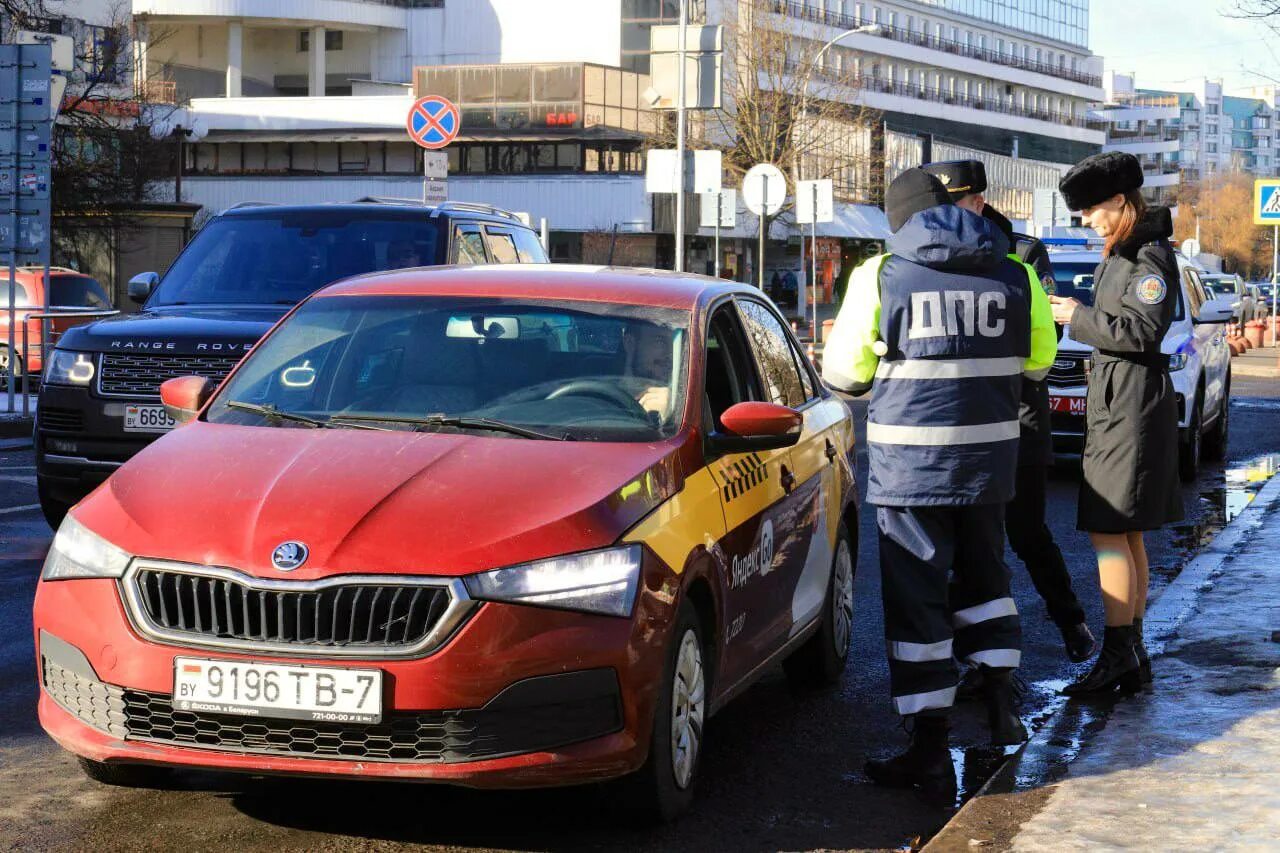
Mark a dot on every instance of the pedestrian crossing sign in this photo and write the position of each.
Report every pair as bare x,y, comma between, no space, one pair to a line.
1266,201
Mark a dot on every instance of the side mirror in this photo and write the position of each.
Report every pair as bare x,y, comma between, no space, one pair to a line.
184,396
1218,310
141,285
756,426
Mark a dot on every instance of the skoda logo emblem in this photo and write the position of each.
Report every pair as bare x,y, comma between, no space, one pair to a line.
288,556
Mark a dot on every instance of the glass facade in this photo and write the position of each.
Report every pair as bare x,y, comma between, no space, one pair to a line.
1064,20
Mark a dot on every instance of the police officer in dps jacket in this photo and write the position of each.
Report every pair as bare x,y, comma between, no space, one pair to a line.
1024,519
1130,481
941,330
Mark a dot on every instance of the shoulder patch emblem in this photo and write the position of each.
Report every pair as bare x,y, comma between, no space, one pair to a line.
1151,290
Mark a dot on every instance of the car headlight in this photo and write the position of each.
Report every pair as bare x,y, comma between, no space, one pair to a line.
1178,360
67,367
595,582
78,552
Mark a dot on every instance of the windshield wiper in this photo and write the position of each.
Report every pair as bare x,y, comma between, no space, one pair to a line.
275,416
463,422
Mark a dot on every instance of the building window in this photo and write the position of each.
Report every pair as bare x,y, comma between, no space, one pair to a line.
332,40
105,54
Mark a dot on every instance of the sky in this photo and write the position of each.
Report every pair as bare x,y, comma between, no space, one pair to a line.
1170,43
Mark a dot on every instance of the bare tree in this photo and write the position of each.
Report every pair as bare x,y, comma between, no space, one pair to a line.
1223,206
764,116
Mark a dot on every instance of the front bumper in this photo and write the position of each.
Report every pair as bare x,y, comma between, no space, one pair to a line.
80,440
518,697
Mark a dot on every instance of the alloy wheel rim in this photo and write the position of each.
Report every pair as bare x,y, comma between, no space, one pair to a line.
842,599
688,707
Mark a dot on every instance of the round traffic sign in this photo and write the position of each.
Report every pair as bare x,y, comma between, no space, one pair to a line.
433,122
1190,247
764,189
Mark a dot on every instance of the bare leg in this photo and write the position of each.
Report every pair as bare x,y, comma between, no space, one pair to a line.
1117,577
1138,549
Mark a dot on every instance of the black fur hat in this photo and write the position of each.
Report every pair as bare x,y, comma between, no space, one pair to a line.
960,177
911,192
1098,177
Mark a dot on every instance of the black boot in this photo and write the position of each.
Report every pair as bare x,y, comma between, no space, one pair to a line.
1116,666
925,765
1002,707
1080,642
1145,678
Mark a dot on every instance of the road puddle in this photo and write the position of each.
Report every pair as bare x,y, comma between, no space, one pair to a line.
1226,497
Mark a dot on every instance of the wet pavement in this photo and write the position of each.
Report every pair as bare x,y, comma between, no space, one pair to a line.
782,771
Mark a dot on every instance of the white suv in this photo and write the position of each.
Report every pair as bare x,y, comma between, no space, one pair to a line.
1199,363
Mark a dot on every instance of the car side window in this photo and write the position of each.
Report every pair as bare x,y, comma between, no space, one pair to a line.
502,246
1195,291
778,368
468,245
529,247
730,376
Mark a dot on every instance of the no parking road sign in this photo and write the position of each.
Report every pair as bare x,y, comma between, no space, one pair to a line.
433,122
1266,202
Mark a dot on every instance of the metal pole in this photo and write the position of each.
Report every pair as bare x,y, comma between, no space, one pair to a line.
177,175
813,259
684,21
13,231
1275,275
424,177
26,374
719,207
764,205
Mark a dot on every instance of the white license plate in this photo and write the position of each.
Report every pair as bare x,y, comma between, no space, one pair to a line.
277,690
147,419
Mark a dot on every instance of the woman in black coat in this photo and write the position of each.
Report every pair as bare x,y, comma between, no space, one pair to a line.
1131,446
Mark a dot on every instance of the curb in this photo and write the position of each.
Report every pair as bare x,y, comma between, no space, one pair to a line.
1044,748
1255,372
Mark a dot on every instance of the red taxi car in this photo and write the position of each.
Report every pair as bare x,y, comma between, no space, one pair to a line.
493,526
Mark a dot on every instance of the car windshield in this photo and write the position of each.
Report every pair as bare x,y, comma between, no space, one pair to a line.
502,367
77,291
1074,279
283,257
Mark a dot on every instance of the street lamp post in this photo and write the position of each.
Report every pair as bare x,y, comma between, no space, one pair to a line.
680,84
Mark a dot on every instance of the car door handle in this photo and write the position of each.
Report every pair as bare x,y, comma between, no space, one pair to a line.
788,480
831,451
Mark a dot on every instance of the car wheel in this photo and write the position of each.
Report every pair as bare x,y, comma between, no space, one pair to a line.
663,788
1189,447
123,775
819,662
1215,442
4,370
54,510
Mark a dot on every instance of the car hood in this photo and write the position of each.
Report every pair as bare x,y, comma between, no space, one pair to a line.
180,331
374,501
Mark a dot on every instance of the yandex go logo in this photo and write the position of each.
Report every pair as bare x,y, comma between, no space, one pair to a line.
953,312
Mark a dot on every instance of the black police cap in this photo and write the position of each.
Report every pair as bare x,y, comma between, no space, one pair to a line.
960,177
911,192
1098,177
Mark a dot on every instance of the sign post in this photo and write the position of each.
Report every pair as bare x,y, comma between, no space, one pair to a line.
433,122
719,210
815,202
1266,211
764,189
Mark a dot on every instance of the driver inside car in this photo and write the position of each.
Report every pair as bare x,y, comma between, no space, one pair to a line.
648,350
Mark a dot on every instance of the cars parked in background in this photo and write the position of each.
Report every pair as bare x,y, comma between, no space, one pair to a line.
502,527
1199,362
1261,302
1243,296
68,289
100,398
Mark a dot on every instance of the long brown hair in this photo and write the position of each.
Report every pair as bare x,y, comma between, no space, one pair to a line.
1135,207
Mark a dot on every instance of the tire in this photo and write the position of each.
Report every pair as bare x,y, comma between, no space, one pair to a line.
123,775
54,510
4,370
1190,446
823,657
662,789
1217,438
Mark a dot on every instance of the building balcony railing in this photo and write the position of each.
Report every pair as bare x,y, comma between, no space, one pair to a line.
1114,138
844,21
160,91
928,93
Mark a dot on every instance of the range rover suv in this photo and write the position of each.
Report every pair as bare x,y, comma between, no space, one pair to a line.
100,394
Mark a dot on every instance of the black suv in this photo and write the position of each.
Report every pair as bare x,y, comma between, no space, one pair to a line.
100,396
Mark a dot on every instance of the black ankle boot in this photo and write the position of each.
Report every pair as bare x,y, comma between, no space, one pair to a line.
925,765
1116,666
1002,707
1145,678
1080,642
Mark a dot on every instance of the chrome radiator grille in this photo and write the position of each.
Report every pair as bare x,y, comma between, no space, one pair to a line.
140,374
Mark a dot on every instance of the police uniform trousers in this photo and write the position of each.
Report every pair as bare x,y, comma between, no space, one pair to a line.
1032,541
945,588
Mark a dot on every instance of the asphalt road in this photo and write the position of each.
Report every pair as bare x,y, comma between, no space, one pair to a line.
781,771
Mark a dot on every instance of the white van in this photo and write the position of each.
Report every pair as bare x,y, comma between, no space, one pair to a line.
1199,363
